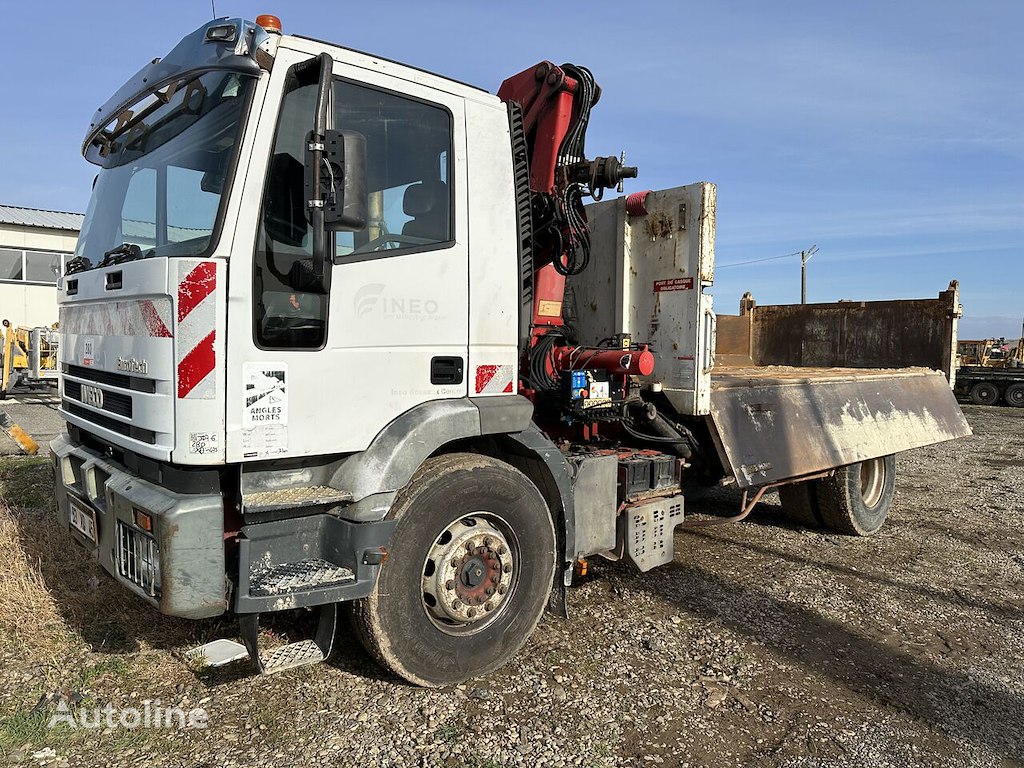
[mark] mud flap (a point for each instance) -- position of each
(769, 429)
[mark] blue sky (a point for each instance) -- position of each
(890, 134)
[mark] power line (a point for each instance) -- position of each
(757, 261)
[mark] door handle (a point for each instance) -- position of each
(446, 370)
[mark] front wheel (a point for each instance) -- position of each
(471, 563)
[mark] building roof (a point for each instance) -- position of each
(36, 217)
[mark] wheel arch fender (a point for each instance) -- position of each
(373, 476)
(533, 454)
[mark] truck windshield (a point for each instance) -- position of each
(163, 179)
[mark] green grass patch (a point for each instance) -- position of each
(24, 730)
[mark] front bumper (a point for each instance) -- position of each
(179, 567)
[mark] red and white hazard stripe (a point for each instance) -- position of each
(196, 330)
(493, 379)
(137, 317)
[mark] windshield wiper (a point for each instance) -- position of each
(122, 253)
(77, 264)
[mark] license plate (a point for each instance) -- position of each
(82, 520)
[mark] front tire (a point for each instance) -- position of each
(471, 563)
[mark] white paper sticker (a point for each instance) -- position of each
(265, 422)
(266, 394)
(203, 443)
(264, 440)
(88, 351)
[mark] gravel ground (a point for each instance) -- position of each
(761, 644)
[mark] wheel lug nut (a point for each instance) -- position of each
(488, 606)
(490, 590)
(494, 579)
(456, 604)
(502, 550)
(454, 563)
(449, 584)
(469, 546)
(471, 612)
(502, 589)
(488, 541)
(507, 568)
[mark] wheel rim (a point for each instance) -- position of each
(470, 573)
(872, 481)
(1015, 395)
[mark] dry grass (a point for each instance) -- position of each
(65, 625)
(31, 625)
(53, 594)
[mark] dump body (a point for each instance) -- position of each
(798, 389)
(786, 390)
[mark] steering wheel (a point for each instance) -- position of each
(381, 243)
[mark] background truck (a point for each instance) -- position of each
(991, 369)
(339, 330)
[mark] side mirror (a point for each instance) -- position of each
(346, 210)
(342, 180)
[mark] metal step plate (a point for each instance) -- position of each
(289, 498)
(295, 577)
(217, 653)
(290, 656)
(649, 531)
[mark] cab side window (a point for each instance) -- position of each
(408, 144)
(285, 318)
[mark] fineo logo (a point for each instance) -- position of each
(131, 365)
(376, 299)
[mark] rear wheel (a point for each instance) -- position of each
(856, 499)
(984, 393)
(472, 561)
(1015, 395)
(799, 505)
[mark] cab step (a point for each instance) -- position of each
(297, 654)
(279, 499)
(285, 578)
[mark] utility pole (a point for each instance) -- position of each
(805, 256)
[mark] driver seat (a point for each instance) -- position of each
(427, 203)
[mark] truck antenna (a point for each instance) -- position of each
(213, 7)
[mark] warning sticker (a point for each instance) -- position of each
(675, 284)
(266, 393)
(265, 421)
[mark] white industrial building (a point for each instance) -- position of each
(34, 247)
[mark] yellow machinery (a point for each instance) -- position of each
(28, 357)
(990, 353)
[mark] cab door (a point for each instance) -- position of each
(324, 373)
